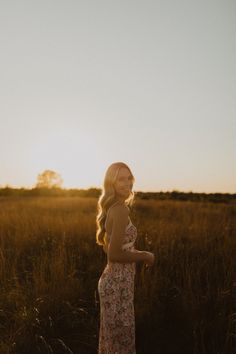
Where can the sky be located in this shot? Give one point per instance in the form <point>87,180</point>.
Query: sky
<point>84,84</point>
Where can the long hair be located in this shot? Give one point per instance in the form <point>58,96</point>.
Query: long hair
<point>108,198</point>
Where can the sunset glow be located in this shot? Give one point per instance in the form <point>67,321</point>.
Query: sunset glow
<point>85,85</point>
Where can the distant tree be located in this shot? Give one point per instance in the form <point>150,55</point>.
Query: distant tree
<point>49,179</point>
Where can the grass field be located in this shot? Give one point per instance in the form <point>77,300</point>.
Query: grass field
<point>50,266</point>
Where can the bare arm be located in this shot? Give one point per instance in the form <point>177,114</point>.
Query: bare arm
<point>115,253</point>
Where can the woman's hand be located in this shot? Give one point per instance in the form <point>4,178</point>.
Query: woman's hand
<point>149,258</point>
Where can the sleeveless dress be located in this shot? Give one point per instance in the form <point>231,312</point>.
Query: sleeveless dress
<point>116,295</point>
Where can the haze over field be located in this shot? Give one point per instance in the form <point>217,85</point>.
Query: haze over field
<point>151,83</point>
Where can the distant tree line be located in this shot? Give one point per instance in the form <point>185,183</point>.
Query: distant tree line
<point>191,196</point>
<point>49,183</point>
<point>96,192</point>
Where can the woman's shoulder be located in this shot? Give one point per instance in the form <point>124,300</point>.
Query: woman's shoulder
<point>119,208</point>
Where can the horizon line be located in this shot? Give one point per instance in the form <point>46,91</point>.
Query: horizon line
<point>135,191</point>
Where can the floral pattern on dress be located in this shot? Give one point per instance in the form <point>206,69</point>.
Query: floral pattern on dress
<point>116,295</point>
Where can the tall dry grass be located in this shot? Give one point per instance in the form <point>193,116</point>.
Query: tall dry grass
<point>50,266</point>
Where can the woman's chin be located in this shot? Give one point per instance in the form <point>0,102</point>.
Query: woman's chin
<point>124,194</point>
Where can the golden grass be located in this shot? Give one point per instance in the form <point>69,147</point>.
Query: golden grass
<point>50,266</point>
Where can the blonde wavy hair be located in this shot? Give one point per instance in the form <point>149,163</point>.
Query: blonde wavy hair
<point>108,198</point>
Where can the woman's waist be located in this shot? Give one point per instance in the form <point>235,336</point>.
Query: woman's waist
<point>119,267</point>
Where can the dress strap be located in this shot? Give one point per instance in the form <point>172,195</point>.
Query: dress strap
<point>130,222</point>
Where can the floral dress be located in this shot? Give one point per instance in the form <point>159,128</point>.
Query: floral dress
<point>116,295</point>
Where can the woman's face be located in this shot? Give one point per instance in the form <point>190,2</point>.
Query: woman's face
<point>123,184</point>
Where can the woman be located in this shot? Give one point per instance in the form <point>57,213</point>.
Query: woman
<point>117,234</point>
